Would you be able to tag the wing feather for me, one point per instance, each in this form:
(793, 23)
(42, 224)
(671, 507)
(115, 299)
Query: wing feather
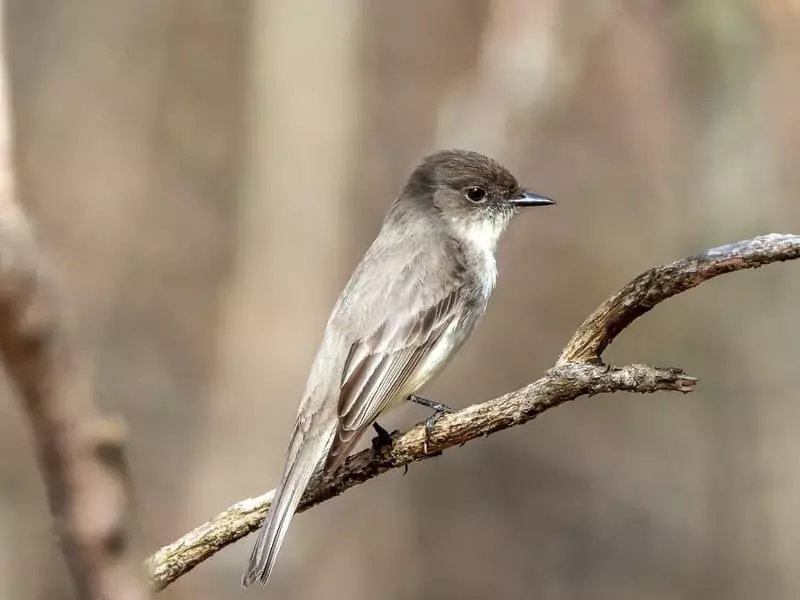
(380, 365)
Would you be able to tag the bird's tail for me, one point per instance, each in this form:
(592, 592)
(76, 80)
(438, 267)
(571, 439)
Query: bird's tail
(303, 456)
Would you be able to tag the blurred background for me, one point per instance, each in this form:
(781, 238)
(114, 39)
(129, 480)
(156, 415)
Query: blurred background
(207, 174)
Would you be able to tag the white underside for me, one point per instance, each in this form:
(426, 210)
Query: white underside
(439, 356)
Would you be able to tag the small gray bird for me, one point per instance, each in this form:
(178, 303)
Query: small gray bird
(410, 304)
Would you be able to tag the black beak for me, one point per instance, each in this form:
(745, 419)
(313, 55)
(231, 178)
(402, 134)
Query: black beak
(531, 199)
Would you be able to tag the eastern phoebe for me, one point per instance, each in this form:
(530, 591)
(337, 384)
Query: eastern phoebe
(410, 304)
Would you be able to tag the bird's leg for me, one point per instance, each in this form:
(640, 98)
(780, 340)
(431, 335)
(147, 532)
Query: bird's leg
(438, 410)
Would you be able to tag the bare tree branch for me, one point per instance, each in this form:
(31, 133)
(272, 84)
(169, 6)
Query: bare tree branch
(79, 452)
(579, 372)
(557, 386)
(656, 285)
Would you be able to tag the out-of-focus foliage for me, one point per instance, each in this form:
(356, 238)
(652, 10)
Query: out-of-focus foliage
(208, 173)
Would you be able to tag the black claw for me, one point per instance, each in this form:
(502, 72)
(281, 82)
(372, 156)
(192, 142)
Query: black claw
(438, 410)
(383, 438)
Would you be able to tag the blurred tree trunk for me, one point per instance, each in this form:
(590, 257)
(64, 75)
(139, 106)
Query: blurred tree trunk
(304, 92)
(127, 125)
(734, 187)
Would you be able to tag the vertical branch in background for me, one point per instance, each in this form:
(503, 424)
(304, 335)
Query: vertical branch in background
(79, 452)
(731, 165)
(301, 112)
(481, 111)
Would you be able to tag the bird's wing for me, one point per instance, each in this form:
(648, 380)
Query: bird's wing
(378, 366)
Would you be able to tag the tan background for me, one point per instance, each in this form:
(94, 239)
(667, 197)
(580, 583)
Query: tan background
(207, 173)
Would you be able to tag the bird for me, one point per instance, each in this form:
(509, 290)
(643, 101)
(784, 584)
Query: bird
(412, 301)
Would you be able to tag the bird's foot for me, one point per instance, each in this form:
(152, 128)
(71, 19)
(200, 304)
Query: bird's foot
(383, 439)
(438, 410)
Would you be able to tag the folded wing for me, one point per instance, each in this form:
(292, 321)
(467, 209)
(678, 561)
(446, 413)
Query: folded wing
(379, 367)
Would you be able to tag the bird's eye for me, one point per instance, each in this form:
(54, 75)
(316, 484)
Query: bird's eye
(476, 194)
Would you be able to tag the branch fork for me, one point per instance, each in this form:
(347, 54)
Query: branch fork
(578, 372)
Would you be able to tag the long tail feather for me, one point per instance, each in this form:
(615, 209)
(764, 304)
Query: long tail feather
(304, 456)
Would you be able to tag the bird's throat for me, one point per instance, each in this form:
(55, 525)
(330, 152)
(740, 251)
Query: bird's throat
(479, 238)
